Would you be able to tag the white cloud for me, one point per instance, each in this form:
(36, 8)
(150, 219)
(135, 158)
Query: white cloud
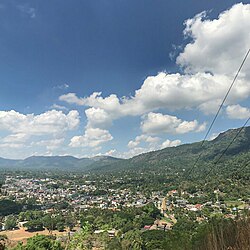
(14, 141)
(72, 99)
(213, 136)
(136, 151)
(145, 143)
(93, 137)
(15, 138)
(157, 123)
(210, 107)
(170, 91)
(27, 132)
(168, 143)
(111, 152)
(51, 122)
(60, 107)
(50, 144)
(152, 141)
(12, 145)
(98, 117)
(203, 86)
(237, 112)
(218, 45)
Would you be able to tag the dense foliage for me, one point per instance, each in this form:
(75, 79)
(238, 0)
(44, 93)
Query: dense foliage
(9, 207)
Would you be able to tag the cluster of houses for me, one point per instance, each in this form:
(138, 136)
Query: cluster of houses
(51, 191)
(80, 196)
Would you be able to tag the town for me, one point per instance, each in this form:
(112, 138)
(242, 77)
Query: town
(67, 198)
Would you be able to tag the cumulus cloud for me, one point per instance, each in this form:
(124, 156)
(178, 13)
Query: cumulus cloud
(157, 123)
(237, 112)
(146, 143)
(143, 138)
(111, 152)
(93, 137)
(222, 42)
(72, 99)
(136, 151)
(59, 107)
(202, 86)
(98, 117)
(49, 144)
(168, 143)
(25, 131)
(170, 91)
(210, 107)
(15, 138)
(51, 122)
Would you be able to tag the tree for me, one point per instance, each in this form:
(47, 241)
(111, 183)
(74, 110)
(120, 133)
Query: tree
(3, 240)
(43, 242)
(82, 240)
(151, 210)
(10, 223)
(34, 225)
(70, 222)
(9, 207)
(60, 226)
(49, 222)
(114, 244)
(132, 240)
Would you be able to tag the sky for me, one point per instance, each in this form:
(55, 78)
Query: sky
(119, 77)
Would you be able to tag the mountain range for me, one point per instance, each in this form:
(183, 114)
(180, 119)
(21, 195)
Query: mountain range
(182, 156)
(57, 162)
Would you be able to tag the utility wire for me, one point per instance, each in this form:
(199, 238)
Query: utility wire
(220, 107)
(228, 146)
(243, 166)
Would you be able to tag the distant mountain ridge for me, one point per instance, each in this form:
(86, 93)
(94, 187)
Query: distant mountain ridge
(56, 162)
(182, 156)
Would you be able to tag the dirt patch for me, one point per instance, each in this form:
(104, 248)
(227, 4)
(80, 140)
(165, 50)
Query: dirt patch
(22, 235)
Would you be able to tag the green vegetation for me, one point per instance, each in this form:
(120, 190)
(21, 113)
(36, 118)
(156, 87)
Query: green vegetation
(9, 207)
(10, 223)
(116, 204)
(40, 242)
(217, 233)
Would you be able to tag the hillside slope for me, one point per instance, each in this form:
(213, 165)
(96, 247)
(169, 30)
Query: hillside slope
(184, 156)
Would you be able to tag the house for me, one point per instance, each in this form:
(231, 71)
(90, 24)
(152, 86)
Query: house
(173, 193)
(21, 224)
(111, 233)
(147, 227)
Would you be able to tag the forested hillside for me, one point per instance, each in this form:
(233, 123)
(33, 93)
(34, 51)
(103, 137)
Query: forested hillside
(183, 157)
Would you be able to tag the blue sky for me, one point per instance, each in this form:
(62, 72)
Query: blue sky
(157, 79)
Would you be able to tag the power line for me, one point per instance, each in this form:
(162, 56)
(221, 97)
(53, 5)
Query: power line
(220, 107)
(243, 166)
(228, 146)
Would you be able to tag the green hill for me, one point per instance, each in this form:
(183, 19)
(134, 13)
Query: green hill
(180, 158)
(184, 156)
